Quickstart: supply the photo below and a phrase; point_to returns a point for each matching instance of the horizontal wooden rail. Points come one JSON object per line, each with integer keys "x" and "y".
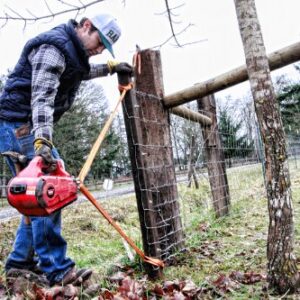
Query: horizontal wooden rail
{"x": 277, "y": 59}
{"x": 191, "y": 115}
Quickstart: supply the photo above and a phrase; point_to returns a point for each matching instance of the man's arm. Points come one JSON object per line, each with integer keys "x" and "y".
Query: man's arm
{"x": 48, "y": 64}
{"x": 97, "y": 70}
{"x": 110, "y": 68}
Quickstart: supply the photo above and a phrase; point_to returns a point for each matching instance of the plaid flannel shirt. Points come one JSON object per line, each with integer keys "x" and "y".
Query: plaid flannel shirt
{"x": 48, "y": 64}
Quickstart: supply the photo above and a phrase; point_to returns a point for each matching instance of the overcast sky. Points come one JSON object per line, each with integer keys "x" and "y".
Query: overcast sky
{"x": 143, "y": 24}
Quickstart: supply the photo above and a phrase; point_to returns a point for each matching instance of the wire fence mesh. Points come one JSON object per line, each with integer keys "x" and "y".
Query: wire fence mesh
{"x": 190, "y": 192}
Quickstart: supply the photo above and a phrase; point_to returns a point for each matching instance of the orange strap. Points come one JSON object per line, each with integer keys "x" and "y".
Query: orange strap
{"x": 87, "y": 165}
{"x": 154, "y": 261}
{"x": 85, "y": 169}
{"x": 125, "y": 88}
{"x": 136, "y": 62}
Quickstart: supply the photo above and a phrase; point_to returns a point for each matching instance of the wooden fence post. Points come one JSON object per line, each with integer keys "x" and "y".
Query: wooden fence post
{"x": 215, "y": 158}
{"x": 150, "y": 148}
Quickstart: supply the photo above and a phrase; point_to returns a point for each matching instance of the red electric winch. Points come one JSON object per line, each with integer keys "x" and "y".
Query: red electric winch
{"x": 34, "y": 193}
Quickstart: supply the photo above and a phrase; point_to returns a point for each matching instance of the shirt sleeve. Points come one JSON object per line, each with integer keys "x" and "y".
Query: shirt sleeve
{"x": 48, "y": 64}
{"x": 97, "y": 70}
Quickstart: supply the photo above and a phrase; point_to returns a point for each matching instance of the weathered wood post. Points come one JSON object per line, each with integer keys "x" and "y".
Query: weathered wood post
{"x": 215, "y": 158}
{"x": 149, "y": 140}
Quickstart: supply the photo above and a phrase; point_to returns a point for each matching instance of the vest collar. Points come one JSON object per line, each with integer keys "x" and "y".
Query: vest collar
{"x": 77, "y": 43}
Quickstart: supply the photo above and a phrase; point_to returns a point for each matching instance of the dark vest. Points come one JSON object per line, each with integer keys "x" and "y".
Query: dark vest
{"x": 16, "y": 97}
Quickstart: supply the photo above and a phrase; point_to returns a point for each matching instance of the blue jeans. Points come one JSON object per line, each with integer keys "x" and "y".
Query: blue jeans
{"x": 40, "y": 242}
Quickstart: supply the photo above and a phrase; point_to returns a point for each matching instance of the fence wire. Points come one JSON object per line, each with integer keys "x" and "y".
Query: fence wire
{"x": 243, "y": 158}
{"x": 183, "y": 184}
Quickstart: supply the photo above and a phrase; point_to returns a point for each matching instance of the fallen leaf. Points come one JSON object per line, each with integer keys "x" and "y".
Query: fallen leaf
{"x": 169, "y": 286}
{"x": 179, "y": 296}
{"x": 158, "y": 290}
{"x": 204, "y": 227}
{"x": 225, "y": 284}
{"x": 190, "y": 289}
{"x": 106, "y": 295}
{"x": 247, "y": 278}
{"x": 117, "y": 277}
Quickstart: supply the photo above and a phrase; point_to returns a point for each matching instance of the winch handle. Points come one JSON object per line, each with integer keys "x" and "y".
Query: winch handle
{"x": 60, "y": 170}
{"x": 36, "y": 166}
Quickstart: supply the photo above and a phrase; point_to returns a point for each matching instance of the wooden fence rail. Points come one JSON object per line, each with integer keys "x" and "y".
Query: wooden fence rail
{"x": 277, "y": 59}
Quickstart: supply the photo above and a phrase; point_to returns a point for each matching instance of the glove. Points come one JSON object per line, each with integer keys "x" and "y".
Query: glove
{"x": 43, "y": 147}
{"x": 117, "y": 67}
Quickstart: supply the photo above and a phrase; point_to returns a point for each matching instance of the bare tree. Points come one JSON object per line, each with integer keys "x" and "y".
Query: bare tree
{"x": 170, "y": 12}
{"x": 283, "y": 275}
{"x": 14, "y": 15}
{"x": 68, "y": 6}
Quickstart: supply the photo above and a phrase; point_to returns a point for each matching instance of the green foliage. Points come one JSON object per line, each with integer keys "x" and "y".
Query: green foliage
{"x": 289, "y": 102}
{"x": 121, "y": 164}
{"x": 78, "y": 129}
{"x": 5, "y": 173}
{"x": 234, "y": 143}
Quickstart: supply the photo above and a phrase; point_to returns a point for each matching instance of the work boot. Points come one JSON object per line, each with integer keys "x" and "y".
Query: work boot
{"x": 82, "y": 275}
{"x": 37, "y": 270}
{"x": 75, "y": 277}
{"x": 68, "y": 278}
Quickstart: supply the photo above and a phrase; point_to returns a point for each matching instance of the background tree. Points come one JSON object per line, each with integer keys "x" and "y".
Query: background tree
{"x": 58, "y": 7}
{"x": 235, "y": 140}
{"x": 121, "y": 164}
{"x": 288, "y": 96}
{"x": 77, "y": 131}
{"x": 182, "y": 131}
{"x": 4, "y": 173}
{"x": 289, "y": 102}
{"x": 2, "y": 81}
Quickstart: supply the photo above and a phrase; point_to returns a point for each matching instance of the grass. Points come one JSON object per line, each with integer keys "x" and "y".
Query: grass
{"x": 3, "y": 203}
{"x": 228, "y": 244}
{"x": 93, "y": 242}
{"x": 236, "y": 243}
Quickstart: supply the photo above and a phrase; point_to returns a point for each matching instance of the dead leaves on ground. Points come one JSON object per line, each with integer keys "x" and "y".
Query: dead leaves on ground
{"x": 232, "y": 282}
{"x": 124, "y": 286}
{"x": 128, "y": 288}
{"x": 22, "y": 288}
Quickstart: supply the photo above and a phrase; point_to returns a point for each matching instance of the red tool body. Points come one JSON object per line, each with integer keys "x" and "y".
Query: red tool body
{"x": 34, "y": 193}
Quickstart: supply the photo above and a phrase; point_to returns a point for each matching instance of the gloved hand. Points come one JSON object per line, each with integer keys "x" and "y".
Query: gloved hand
{"x": 43, "y": 147}
{"x": 117, "y": 67}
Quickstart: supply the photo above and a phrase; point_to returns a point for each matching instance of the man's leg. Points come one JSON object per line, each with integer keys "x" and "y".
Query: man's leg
{"x": 22, "y": 256}
{"x": 51, "y": 247}
{"x": 43, "y": 234}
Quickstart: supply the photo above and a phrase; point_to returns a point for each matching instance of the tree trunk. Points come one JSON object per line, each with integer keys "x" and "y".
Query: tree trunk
{"x": 282, "y": 270}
